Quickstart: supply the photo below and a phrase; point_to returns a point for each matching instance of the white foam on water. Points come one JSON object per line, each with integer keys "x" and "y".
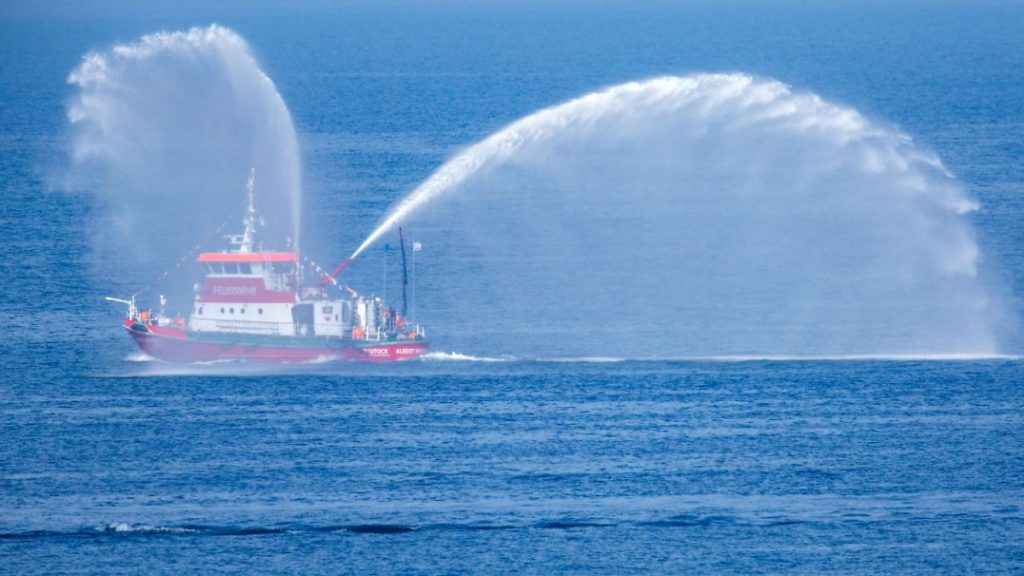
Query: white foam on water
{"x": 126, "y": 528}
{"x": 726, "y": 358}
{"x": 324, "y": 359}
{"x": 139, "y": 356}
{"x": 458, "y": 357}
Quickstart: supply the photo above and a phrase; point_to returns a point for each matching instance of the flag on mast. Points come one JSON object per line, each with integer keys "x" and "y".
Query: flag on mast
{"x": 416, "y": 246}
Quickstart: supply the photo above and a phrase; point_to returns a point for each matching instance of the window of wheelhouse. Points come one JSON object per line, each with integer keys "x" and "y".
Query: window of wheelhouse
{"x": 245, "y": 268}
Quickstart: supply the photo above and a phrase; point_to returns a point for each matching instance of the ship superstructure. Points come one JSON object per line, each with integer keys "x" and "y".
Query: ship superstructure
{"x": 252, "y": 305}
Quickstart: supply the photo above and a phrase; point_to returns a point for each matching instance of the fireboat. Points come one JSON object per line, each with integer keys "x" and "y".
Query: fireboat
{"x": 252, "y": 306}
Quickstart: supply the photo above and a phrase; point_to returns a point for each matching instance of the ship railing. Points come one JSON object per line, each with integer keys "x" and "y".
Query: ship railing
{"x": 379, "y": 334}
{"x": 376, "y": 334}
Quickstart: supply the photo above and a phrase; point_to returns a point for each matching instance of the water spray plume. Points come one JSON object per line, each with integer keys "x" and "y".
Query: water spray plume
{"x": 702, "y": 215}
{"x": 165, "y": 131}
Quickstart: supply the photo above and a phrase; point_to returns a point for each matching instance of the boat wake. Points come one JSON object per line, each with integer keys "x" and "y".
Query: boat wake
{"x": 854, "y": 358}
{"x": 458, "y": 357}
{"x": 726, "y": 358}
{"x": 722, "y": 358}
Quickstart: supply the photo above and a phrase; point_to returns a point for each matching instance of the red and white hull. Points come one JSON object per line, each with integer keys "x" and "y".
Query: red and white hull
{"x": 176, "y": 345}
{"x": 255, "y": 305}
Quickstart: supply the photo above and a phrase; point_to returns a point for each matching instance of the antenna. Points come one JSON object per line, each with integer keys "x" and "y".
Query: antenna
{"x": 249, "y": 187}
{"x": 250, "y": 222}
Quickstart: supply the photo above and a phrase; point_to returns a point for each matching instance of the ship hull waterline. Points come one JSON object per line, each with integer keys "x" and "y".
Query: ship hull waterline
{"x": 181, "y": 347}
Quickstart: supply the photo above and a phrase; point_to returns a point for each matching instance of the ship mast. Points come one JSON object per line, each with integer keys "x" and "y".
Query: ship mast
{"x": 251, "y": 218}
{"x": 405, "y": 275}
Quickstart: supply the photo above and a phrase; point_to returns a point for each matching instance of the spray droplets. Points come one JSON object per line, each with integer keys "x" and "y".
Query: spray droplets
{"x": 165, "y": 131}
{"x": 702, "y": 215}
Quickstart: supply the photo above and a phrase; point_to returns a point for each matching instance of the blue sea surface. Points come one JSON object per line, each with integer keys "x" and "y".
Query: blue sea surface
{"x": 475, "y": 460}
{"x": 849, "y": 467}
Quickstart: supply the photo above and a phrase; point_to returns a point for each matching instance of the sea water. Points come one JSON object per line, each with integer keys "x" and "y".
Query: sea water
{"x": 484, "y": 460}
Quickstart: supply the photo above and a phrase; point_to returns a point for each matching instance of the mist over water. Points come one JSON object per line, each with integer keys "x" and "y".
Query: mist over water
{"x": 701, "y": 215}
{"x": 165, "y": 131}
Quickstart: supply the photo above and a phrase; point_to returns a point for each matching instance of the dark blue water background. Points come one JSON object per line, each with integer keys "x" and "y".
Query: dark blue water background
{"x": 516, "y": 466}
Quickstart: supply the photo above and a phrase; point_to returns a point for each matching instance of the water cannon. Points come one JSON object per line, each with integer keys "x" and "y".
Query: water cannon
{"x": 332, "y": 277}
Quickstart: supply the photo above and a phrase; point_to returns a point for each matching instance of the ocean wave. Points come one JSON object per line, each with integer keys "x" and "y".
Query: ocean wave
{"x": 126, "y": 528}
{"x": 693, "y": 520}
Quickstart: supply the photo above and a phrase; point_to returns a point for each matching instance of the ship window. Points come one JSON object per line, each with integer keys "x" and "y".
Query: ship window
{"x": 242, "y": 311}
{"x": 260, "y": 311}
{"x": 328, "y": 309}
{"x": 245, "y": 268}
{"x": 200, "y": 310}
{"x": 221, "y": 310}
{"x": 210, "y": 268}
{"x": 231, "y": 310}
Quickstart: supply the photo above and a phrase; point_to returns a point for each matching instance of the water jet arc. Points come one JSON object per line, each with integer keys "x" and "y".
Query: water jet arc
{"x": 706, "y": 215}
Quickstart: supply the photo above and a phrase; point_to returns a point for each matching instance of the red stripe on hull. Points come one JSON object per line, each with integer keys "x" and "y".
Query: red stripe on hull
{"x": 173, "y": 345}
